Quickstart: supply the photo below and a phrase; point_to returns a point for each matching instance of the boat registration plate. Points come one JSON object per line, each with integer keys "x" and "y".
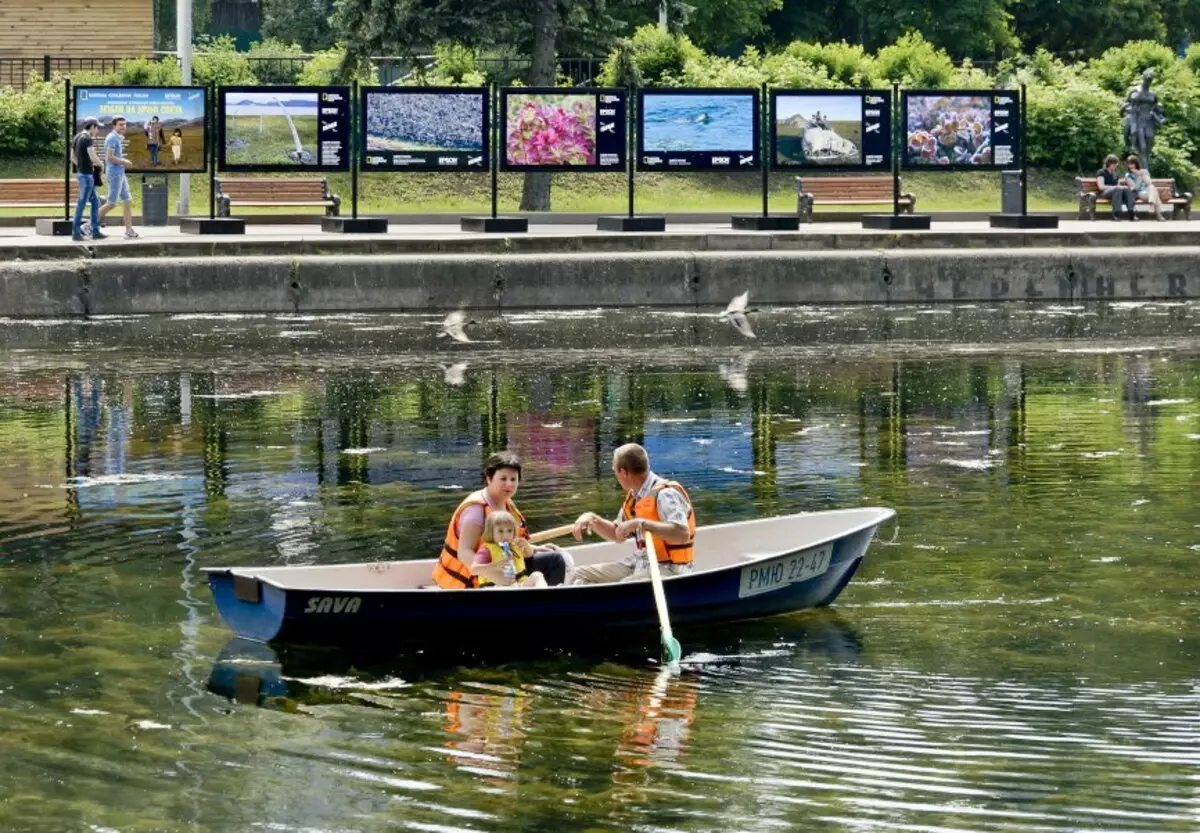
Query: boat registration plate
{"x": 781, "y": 572}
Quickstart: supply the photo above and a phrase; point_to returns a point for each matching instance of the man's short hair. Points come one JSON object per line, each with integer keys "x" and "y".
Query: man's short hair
{"x": 501, "y": 460}
{"x": 120, "y": 120}
{"x": 633, "y": 458}
{"x": 91, "y": 121}
{"x": 1111, "y": 159}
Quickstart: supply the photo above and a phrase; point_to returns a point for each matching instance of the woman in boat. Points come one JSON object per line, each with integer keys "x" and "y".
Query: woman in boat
{"x": 652, "y": 504}
{"x": 501, "y": 476}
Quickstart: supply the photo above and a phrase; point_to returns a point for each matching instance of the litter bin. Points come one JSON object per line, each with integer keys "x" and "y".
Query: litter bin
{"x": 154, "y": 200}
{"x": 1010, "y": 192}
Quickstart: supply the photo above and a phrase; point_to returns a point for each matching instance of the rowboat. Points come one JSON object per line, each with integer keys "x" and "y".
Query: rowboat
{"x": 743, "y": 570}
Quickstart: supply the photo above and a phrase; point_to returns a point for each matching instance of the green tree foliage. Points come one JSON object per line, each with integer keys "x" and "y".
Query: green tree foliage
{"x": 1071, "y": 126}
{"x": 717, "y": 25}
{"x": 327, "y": 67}
{"x": 217, "y": 60}
{"x": 302, "y": 22}
{"x": 847, "y": 65}
{"x": 275, "y": 61}
{"x": 913, "y": 61}
{"x": 658, "y": 57}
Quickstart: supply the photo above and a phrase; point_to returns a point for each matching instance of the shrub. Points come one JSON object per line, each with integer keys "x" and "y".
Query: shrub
{"x": 454, "y": 63}
{"x": 1072, "y": 127}
{"x": 330, "y": 67}
{"x": 914, "y": 62}
{"x": 31, "y": 121}
{"x": 661, "y": 56}
{"x": 786, "y": 70}
{"x": 217, "y": 60}
{"x": 711, "y": 71}
{"x": 846, "y": 65}
{"x": 1192, "y": 59}
{"x": 621, "y": 68}
{"x": 1121, "y": 67}
{"x": 275, "y": 62}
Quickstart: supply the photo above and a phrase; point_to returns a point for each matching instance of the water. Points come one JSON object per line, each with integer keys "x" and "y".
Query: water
{"x": 1020, "y": 653}
{"x": 699, "y": 122}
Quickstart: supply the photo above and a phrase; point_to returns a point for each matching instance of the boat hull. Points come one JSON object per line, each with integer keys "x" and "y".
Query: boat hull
{"x": 258, "y": 609}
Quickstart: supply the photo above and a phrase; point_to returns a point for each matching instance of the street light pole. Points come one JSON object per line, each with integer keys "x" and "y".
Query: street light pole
{"x": 183, "y": 47}
{"x": 662, "y": 15}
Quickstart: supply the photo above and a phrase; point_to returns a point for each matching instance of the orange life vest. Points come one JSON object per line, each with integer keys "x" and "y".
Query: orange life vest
{"x": 647, "y": 508}
{"x": 451, "y": 572}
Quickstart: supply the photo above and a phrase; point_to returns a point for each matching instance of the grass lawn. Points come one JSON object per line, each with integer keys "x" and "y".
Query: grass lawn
{"x": 454, "y": 193}
{"x": 268, "y": 140}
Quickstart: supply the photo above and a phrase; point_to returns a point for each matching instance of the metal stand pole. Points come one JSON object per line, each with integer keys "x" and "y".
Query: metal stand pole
{"x": 1024, "y": 160}
{"x": 495, "y": 128}
{"x": 183, "y": 47}
{"x": 630, "y": 142}
{"x": 763, "y": 134}
{"x": 896, "y": 151}
{"x": 212, "y": 166}
{"x": 69, "y": 135}
{"x": 354, "y": 153}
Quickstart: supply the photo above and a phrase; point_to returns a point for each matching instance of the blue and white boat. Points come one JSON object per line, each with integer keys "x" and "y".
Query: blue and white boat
{"x": 743, "y": 570}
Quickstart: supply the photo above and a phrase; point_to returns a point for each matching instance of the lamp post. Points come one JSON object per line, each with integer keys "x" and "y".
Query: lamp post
{"x": 183, "y": 46}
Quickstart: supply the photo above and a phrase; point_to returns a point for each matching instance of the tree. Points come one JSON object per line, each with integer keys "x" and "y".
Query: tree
{"x": 305, "y": 22}
{"x": 532, "y": 27}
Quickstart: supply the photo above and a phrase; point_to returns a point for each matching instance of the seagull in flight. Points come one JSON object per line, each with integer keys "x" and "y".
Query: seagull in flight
{"x": 455, "y": 327}
{"x": 735, "y": 314}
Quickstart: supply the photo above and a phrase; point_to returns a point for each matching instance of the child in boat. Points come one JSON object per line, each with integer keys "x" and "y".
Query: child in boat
{"x": 500, "y": 559}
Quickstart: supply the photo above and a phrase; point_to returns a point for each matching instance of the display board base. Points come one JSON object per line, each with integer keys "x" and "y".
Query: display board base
{"x": 757, "y": 222}
{"x": 354, "y": 225}
{"x": 896, "y": 222}
{"x": 1020, "y": 221}
{"x": 496, "y": 225}
{"x": 49, "y": 227}
{"x": 635, "y": 224}
{"x": 212, "y": 225}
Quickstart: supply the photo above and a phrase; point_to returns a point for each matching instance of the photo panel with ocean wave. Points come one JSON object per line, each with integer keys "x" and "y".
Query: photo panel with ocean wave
{"x": 960, "y": 129}
{"x": 698, "y": 130}
{"x": 563, "y": 129}
{"x": 425, "y": 129}
{"x": 831, "y": 130}
{"x": 166, "y": 128}
{"x": 266, "y": 129}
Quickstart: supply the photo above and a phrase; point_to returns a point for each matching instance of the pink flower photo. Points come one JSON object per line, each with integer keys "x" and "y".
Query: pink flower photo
{"x": 551, "y": 130}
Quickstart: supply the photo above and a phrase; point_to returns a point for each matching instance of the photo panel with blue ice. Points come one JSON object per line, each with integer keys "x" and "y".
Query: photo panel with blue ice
{"x": 842, "y": 130}
{"x": 166, "y": 128}
{"x": 714, "y": 129}
{"x": 264, "y": 129}
{"x": 562, "y": 129}
{"x": 425, "y": 129}
{"x": 957, "y": 130}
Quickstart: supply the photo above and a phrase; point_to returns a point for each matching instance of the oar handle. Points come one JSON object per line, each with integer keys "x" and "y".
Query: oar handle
{"x": 551, "y": 534}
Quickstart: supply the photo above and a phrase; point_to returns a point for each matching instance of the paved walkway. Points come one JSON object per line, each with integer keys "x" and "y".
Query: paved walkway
{"x": 446, "y": 238}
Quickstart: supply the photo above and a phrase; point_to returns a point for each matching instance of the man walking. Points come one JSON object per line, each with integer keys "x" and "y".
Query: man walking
{"x": 87, "y": 162}
{"x": 118, "y": 183}
{"x": 652, "y": 504}
{"x": 154, "y": 139}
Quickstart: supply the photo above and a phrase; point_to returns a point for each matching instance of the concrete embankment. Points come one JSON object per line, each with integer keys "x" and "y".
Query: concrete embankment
{"x": 372, "y": 283}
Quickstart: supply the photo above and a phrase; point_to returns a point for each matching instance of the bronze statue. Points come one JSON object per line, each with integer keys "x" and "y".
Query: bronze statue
{"x": 1143, "y": 116}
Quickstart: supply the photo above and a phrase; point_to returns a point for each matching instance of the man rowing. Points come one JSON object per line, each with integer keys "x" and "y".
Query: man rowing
{"x": 652, "y": 504}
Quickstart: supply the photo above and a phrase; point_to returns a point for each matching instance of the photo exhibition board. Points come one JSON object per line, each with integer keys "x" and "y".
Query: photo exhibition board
{"x": 562, "y": 129}
{"x": 960, "y": 130}
{"x": 268, "y": 129}
{"x": 831, "y": 130}
{"x": 166, "y": 128}
{"x": 715, "y": 129}
{"x": 425, "y": 129}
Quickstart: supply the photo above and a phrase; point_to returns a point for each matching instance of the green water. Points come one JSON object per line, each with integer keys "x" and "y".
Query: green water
{"x": 1019, "y": 653}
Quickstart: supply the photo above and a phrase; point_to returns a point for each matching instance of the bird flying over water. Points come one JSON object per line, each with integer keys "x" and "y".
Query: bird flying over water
{"x": 735, "y": 314}
{"x": 455, "y": 327}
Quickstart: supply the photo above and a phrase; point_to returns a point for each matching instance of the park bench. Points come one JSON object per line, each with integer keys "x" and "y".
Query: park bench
{"x": 1179, "y": 201}
{"x": 310, "y": 192}
{"x": 35, "y": 193}
{"x": 846, "y": 190}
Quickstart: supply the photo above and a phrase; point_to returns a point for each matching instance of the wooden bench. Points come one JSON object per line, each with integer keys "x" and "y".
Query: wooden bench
{"x": 301, "y": 192}
{"x": 846, "y": 190}
{"x": 1179, "y": 201}
{"x": 36, "y": 193}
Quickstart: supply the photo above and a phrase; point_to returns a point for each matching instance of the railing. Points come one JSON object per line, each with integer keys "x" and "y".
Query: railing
{"x": 16, "y": 72}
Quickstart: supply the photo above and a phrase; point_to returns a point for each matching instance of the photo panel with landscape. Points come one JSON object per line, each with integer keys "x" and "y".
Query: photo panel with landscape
{"x": 267, "y": 129}
{"x": 425, "y": 129}
{"x": 166, "y": 128}
{"x": 960, "y": 130}
{"x": 698, "y": 129}
{"x": 825, "y": 130}
{"x": 563, "y": 129}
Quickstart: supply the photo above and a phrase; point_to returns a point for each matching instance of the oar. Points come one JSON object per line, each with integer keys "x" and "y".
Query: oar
{"x": 551, "y": 534}
{"x": 671, "y": 646}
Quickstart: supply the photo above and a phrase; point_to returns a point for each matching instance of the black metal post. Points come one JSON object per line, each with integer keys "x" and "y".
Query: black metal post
{"x": 897, "y": 149}
{"x": 45, "y": 69}
{"x": 495, "y": 131}
{"x": 354, "y": 153}
{"x": 69, "y": 134}
{"x": 630, "y": 144}
{"x": 766, "y": 155}
{"x": 1024, "y": 158}
{"x": 212, "y": 166}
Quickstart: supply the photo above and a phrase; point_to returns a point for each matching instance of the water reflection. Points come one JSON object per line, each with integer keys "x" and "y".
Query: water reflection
{"x": 1021, "y": 656}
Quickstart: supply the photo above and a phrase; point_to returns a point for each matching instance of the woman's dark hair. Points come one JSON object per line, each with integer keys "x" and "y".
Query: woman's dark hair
{"x": 501, "y": 460}
{"x": 1133, "y": 160}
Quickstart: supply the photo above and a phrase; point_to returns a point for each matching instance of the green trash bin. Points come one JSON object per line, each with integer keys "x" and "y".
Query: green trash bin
{"x": 154, "y": 200}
